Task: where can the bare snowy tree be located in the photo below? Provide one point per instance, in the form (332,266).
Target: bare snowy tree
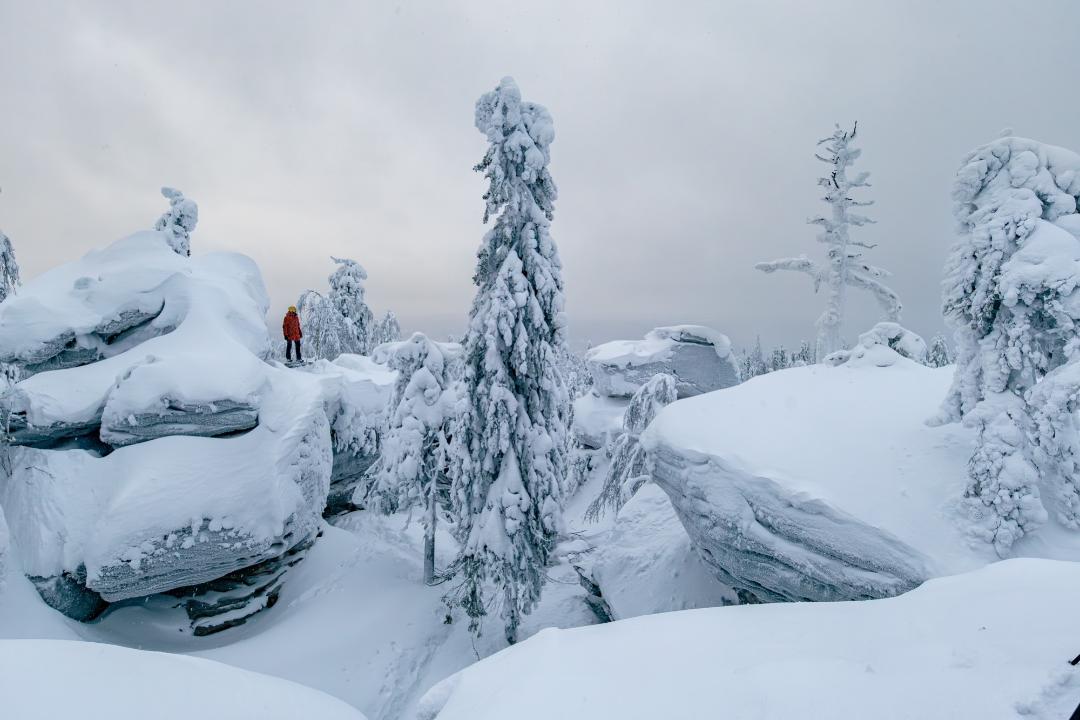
(843,266)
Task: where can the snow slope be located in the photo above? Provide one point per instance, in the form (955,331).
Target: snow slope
(98,680)
(825,483)
(989,644)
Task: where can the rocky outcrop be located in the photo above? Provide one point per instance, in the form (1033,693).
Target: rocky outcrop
(160,451)
(699,359)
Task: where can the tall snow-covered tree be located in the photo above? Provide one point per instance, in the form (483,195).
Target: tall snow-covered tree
(627,471)
(326,332)
(938,355)
(415,447)
(9,268)
(347,296)
(1011,298)
(387,329)
(512,442)
(179,220)
(753,362)
(843,264)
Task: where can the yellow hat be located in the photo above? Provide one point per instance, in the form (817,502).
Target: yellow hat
(292,308)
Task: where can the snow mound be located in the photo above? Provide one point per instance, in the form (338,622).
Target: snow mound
(698,357)
(134,684)
(825,483)
(987,644)
(145,357)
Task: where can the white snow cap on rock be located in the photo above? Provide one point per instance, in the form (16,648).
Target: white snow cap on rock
(863,500)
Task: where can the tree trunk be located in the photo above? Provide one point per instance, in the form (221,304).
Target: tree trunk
(429,537)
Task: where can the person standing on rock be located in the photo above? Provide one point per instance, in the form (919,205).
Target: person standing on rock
(291,328)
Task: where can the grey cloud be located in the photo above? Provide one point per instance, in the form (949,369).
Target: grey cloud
(683,155)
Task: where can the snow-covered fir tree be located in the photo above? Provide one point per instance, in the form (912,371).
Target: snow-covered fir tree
(805,355)
(9,268)
(575,372)
(843,265)
(326,332)
(415,447)
(1010,297)
(627,471)
(347,296)
(179,220)
(938,355)
(779,359)
(512,442)
(387,329)
(753,363)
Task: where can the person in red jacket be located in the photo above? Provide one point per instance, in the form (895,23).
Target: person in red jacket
(291,329)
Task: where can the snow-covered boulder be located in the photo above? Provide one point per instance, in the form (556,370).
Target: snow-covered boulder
(49,679)
(994,643)
(150,353)
(597,418)
(826,483)
(645,564)
(358,391)
(139,341)
(699,358)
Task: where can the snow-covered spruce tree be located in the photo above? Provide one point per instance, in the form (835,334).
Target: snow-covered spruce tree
(805,356)
(326,332)
(179,221)
(512,441)
(415,446)
(347,296)
(386,330)
(9,268)
(753,362)
(1010,296)
(938,355)
(843,264)
(627,471)
(779,360)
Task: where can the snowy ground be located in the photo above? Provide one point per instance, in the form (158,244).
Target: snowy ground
(354,620)
(994,643)
(101,680)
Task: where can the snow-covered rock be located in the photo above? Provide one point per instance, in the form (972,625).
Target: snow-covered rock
(994,643)
(48,679)
(826,483)
(645,563)
(699,358)
(597,418)
(158,351)
(358,391)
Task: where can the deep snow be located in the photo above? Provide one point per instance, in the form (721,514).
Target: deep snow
(990,644)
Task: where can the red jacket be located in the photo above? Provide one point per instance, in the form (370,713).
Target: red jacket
(291,327)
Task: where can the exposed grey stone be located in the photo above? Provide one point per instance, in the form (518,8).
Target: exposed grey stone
(223,417)
(619,368)
(20,433)
(69,595)
(348,472)
(760,539)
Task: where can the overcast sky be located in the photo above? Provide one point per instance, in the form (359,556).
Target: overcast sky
(684,143)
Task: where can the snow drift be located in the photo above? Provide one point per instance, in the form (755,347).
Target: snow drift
(133,684)
(825,483)
(989,644)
